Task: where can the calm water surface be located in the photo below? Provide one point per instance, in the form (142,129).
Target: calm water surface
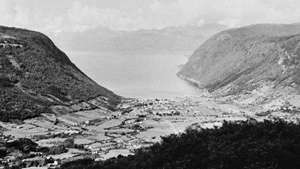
(136,75)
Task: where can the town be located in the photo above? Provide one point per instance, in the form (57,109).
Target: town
(100,134)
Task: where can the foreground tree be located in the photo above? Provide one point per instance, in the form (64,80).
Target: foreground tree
(262,145)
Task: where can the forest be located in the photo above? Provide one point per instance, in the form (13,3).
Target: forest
(246,145)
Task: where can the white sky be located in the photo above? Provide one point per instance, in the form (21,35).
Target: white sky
(52,16)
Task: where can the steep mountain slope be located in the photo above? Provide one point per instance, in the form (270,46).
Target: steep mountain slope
(35,76)
(240,60)
(152,40)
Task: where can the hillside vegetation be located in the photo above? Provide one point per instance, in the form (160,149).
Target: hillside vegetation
(244,145)
(243,59)
(35,74)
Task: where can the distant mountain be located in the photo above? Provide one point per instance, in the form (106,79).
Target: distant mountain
(243,59)
(36,77)
(154,40)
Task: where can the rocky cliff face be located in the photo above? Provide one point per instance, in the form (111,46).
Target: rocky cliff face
(242,60)
(35,76)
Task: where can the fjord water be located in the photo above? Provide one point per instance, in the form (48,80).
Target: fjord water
(139,75)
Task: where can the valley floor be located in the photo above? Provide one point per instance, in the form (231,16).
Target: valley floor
(101,134)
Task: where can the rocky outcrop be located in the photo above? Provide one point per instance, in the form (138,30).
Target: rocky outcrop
(35,75)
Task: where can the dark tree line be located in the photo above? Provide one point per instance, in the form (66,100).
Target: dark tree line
(245,145)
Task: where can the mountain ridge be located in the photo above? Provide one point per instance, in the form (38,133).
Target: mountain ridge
(153,40)
(241,60)
(36,75)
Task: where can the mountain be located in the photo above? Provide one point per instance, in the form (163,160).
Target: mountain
(151,40)
(36,77)
(264,57)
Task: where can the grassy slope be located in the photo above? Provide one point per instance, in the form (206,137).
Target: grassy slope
(41,76)
(245,56)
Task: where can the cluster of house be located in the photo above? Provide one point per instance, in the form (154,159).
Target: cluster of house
(7,44)
(37,161)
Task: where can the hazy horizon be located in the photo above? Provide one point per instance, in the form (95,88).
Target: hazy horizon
(56,16)
(101,31)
